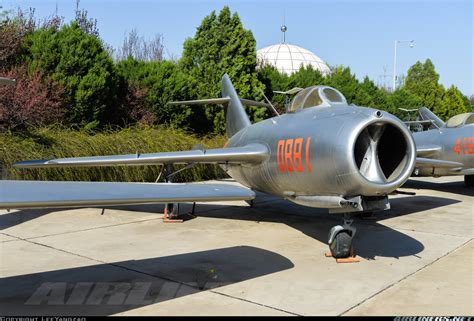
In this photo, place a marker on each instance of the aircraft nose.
(383, 154)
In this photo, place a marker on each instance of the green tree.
(375, 97)
(343, 80)
(422, 80)
(452, 104)
(273, 80)
(403, 98)
(305, 77)
(222, 45)
(78, 62)
(163, 81)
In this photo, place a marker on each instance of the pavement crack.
(82, 230)
(403, 279)
(160, 277)
(256, 303)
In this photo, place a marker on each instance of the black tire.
(341, 245)
(469, 180)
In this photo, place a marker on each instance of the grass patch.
(47, 143)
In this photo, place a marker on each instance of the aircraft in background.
(445, 148)
(322, 153)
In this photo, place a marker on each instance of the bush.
(33, 101)
(79, 63)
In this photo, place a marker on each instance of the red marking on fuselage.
(290, 155)
(308, 162)
(467, 146)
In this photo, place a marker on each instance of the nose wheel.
(340, 241)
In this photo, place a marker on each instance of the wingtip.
(30, 164)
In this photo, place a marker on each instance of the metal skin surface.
(77, 194)
(252, 153)
(438, 144)
(333, 132)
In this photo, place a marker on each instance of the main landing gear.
(340, 241)
(171, 211)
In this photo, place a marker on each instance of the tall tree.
(403, 98)
(422, 80)
(222, 45)
(452, 104)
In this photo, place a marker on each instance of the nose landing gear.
(340, 241)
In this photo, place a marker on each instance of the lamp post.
(412, 44)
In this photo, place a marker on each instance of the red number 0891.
(290, 155)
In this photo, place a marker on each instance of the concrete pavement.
(417, 259)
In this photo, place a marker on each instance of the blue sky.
(358, 34)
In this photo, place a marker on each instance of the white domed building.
(289, 58)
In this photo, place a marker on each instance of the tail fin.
(235, 115)
(426, 114)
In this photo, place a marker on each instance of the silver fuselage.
(456, 145)
(323, 160)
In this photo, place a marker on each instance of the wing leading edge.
(252, 153)
(37, 194)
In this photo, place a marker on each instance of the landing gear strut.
(340, 238)
(171, 211)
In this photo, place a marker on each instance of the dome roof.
(289, 58)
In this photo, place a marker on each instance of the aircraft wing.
(437, 163)
(422, 122)
(41, 194)
(252, 153)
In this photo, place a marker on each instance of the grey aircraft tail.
(236, 117)
(426, 114)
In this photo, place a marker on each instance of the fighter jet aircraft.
(322, 153)
(445, 148)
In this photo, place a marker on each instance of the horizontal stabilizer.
(218, 101)
(7, 81)
(37, 194)
(252, 153)
(427, 150)
(421, 122)
(437, 163)
(210, 101)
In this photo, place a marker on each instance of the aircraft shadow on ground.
(456, 187)
(372, 239)
(106, 289)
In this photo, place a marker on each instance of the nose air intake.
(384, 154)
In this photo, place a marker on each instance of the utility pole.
(412, 44)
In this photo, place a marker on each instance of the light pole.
(412, 43)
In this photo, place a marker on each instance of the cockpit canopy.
(316, 96)
(460, 120)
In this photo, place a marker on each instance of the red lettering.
(471, 145)
(280, 155)
(288, 155)
(297, 149)
(308, 161)
(457, 146)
